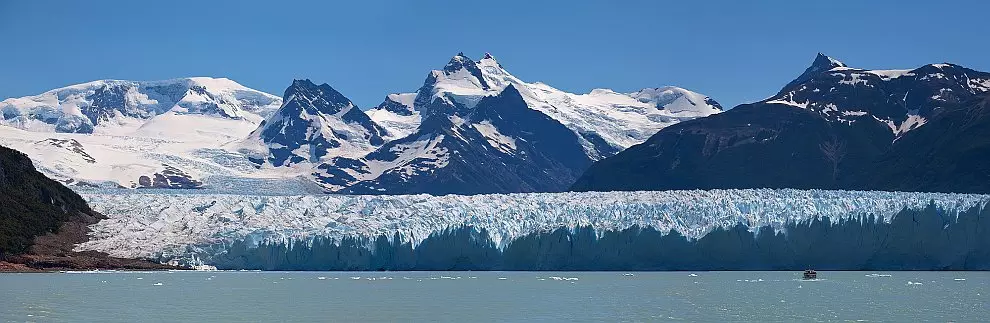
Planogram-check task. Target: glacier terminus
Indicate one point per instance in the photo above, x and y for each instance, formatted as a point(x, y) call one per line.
point(487, 231)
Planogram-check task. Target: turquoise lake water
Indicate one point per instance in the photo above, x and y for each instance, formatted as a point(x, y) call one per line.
point(494, 296)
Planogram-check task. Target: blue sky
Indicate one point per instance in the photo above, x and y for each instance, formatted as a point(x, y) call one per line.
point(734, 51)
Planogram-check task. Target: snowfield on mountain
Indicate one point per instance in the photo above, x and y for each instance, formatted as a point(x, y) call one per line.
point(207, 132)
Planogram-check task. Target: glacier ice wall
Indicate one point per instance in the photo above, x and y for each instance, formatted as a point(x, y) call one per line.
point(193, 227)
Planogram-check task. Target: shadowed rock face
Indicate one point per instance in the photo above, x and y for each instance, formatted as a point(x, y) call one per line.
point(170, 177)
point(913, 240)
point(832, 128)
point(501, 146)
point(317, 117)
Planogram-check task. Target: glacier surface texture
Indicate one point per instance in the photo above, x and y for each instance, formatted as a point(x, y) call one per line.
point(668, 230)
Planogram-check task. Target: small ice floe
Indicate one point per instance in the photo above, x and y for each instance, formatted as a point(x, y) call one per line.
point(541, 279)
point(502, 278)
point(321, 278)
point(140, 278)
point(959, 279)
point(355, 278)
point(570, 278)
point(556, 278)
point(157, 284)
point(403, 277)
point(473, 277)
point(627, 274)
point(914, 283)
point(693, 275)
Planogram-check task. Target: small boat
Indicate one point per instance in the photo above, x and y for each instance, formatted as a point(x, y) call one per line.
point(810, 274)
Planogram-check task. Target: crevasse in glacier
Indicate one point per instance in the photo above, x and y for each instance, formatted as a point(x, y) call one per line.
point(195, 227)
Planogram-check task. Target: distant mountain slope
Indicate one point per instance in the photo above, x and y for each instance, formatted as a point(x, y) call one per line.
point(315, 122)
point(95, 106)
point(137, 134)
point(216, 134)
point(948, 154)
point(607, 121)
point(474, 128)
point(829, 128)
point(500, 146)
point(901, 99)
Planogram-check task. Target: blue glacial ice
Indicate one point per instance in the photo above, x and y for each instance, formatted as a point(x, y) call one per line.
point(202, 228)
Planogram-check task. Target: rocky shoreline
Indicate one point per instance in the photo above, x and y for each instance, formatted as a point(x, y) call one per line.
point(53, 252)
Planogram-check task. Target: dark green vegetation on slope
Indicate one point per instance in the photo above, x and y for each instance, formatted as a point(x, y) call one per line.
point(41, 220)
point(32, 204)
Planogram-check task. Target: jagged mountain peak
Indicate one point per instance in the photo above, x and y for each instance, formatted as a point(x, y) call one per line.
point(827, 62)
point(323, 98)
point(510, 91)
point(900, 99)
point(460, 63)
point(314, 122)
point(822, 63)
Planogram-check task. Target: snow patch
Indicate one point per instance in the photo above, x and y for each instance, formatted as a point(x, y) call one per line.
point(497, 140)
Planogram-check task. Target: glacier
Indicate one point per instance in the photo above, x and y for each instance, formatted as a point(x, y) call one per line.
point(194, 228)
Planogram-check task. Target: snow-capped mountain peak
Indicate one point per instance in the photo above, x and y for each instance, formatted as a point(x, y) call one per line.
point(474, 122)
point(822, 63)
point(459, 64)
point(160, 134)
point(397, 114)
point(901, 99)
point(318, 98)
point(315, 122)
point(606, 121)
point(108, 105)
point(827, 61)
point(678, 101)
